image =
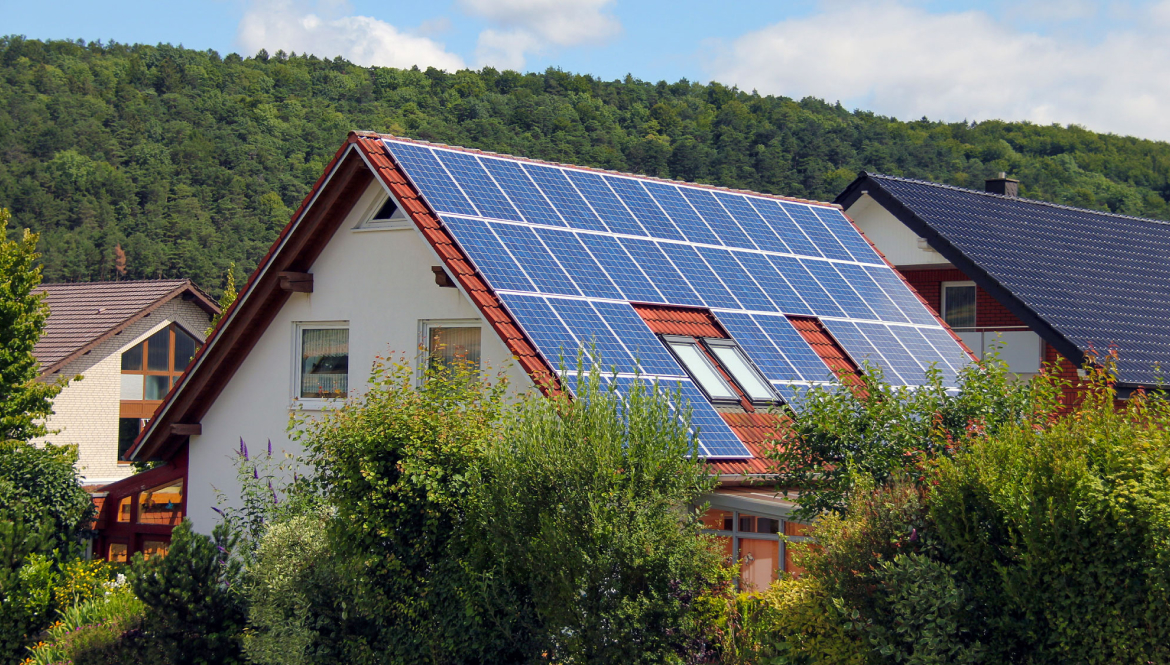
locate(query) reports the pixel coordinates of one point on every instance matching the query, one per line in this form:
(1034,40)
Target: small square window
(322,362)
(449,342)
(958,304)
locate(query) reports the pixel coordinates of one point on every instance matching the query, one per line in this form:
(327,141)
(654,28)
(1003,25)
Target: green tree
(225,300)
(24,401)
(581,543)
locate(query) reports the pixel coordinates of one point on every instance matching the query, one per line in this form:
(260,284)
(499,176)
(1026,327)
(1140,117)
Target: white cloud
(904,61)
(531,26)
(325,30)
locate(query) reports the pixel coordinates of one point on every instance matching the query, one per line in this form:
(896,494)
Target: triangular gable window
(385,214)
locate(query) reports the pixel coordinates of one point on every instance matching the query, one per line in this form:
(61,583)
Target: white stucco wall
(898,243)
(381,283)
(86,411)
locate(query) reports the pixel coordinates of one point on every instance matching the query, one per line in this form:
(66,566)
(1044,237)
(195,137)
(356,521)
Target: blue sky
(1096,63)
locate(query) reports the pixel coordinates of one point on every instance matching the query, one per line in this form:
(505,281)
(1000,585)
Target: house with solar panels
(1052,283)
(739,299)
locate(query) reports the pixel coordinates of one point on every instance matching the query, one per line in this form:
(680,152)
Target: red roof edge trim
(458,264)
(163,415)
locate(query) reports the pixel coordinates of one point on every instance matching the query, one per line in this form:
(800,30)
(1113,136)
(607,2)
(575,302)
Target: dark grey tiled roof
(1100,280)
(82,313)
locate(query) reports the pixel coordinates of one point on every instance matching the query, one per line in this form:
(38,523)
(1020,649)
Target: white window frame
(424,338)
(398,221)
(754,372)
(943,300)
(314,403)
(713,366)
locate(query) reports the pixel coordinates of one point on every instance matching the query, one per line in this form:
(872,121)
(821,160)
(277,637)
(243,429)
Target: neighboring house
(1053,282)
(739,299)
(128,340)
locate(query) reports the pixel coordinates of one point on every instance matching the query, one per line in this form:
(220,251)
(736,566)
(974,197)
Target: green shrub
(194,598)
(578,535)
(93,632)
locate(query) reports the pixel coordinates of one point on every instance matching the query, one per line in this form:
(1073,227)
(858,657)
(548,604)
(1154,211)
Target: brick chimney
(1002,185)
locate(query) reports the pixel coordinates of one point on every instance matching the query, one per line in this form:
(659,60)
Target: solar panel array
(567,250)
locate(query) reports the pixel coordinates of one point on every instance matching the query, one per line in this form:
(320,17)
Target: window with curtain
(450,344)
(324,363)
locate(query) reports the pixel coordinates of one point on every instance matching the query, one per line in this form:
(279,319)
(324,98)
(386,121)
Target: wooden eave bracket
(186,429)
(297,282)
(442,278)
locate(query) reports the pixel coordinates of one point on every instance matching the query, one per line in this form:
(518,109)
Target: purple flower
(255,474)
(243,448)
(913,535)
(217,510)
(270,447)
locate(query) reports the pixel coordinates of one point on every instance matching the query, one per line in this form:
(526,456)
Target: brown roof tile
(82,314)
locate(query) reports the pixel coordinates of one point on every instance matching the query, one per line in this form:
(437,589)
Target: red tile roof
(84,314)
(818,337)
(691,322)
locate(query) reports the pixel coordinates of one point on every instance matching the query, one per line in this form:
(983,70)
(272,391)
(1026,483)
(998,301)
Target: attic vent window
(385,214)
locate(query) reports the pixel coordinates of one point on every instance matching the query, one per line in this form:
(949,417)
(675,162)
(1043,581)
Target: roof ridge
(121,281)
(1001,197)
(594,169)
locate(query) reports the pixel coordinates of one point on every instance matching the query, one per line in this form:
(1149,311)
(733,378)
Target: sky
(1103,65)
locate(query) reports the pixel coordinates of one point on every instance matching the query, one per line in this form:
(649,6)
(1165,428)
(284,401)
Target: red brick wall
(989,312)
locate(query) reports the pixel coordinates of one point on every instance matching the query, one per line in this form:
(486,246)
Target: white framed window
(445,341)
(384,214)
(958,304)
(742,370)
(320,363)
(701,368)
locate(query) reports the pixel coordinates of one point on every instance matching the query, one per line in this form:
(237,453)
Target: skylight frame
(748,371)
(707,376)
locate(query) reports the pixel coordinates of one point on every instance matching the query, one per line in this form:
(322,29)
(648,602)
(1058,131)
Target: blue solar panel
(590,277)
(836,287)
(630,280)
(751,222)
(605,203)
(542,267)
(741,284)
(808,288)
(592,332)
(644,208)
(782,224)
(538,320)
(638,240)
(438,188)
(651,355)
(773,283)
(670,282)
(522,191)
(488,253)
(847,235)
(717,218)
(795,349)
(859,348)
(946,345)
(478,186)
(684,216)
(565,197)
(892,350)
(715,437)
(699,275)
(924,352)
(816,231)
(759,347)
(870,292)
(897,290)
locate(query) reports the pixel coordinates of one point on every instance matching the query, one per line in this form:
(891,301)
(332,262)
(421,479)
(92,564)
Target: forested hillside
(190,161)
